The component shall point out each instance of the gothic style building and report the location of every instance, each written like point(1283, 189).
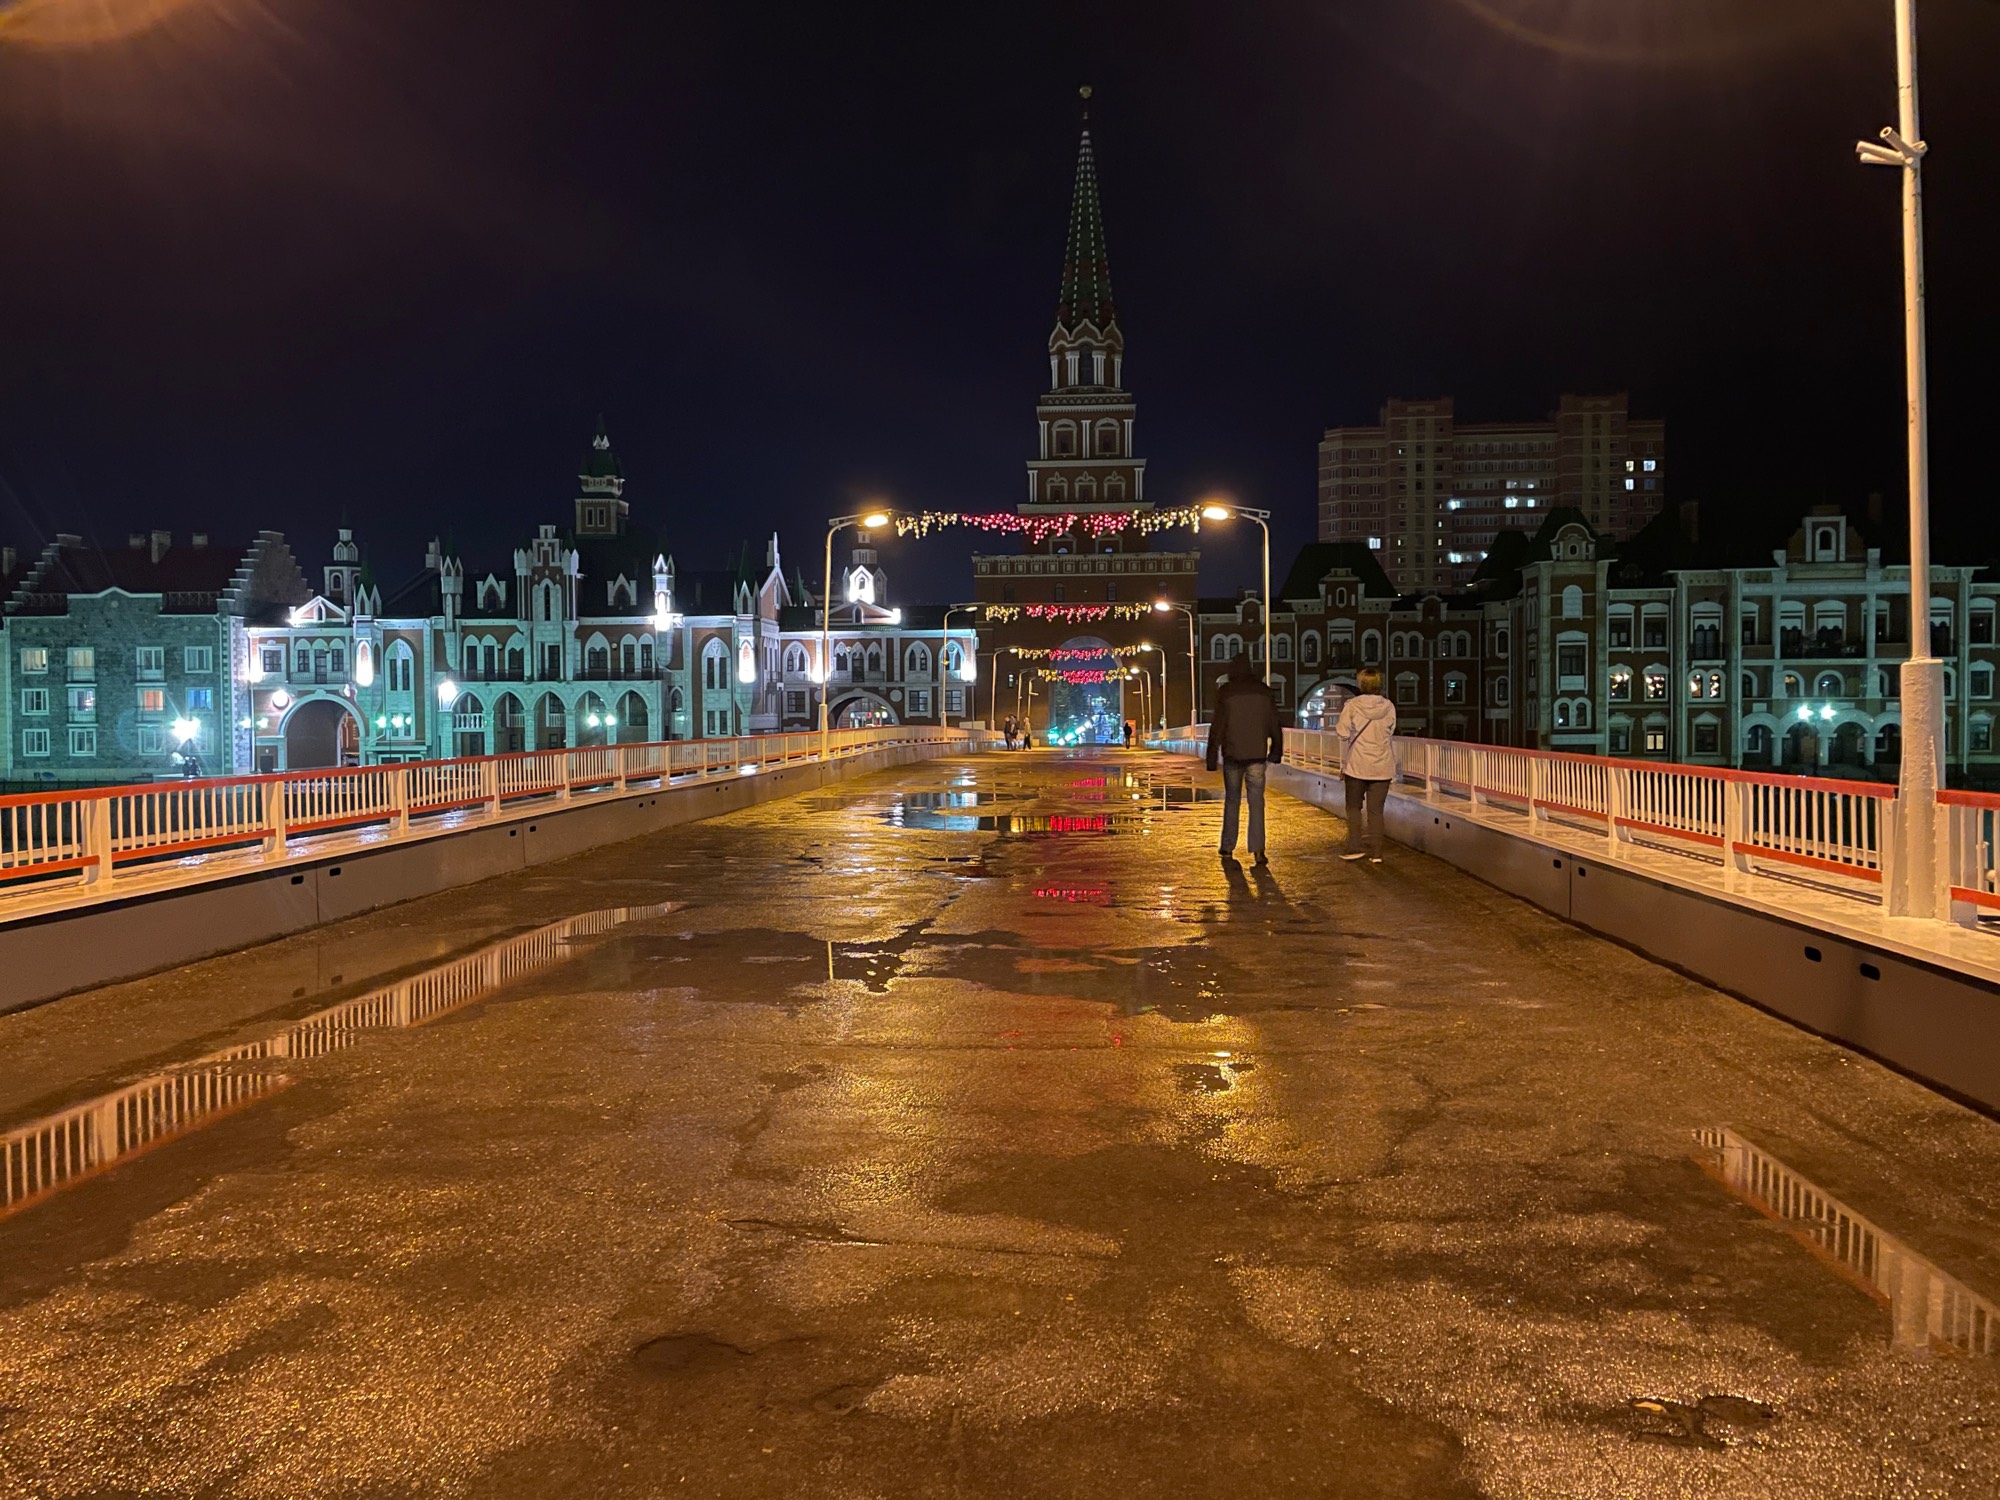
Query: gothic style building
point(1646, 648)
point(1086, 463)
point(120, 663)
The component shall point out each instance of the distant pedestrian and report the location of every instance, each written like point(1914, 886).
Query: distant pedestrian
point(1366, 730)
point(1007, 728)
point(1131, 731)
point(1245, 737)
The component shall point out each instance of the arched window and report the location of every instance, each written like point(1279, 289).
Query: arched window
point(1582, 716)
point(795, 660)
point(1281, 648)
point(917, 661)
point(400, 669)
point(1371, 647)
point(1562, 713)
point(1086, 490)
point(1572, 598)
point(1114, 489)
point(1309, 650)
point(1065, 439)
point(1058, 488)
point(714, 666)
point(1795, 685)
point(1829, 685)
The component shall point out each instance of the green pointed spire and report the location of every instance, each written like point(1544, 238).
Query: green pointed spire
point(600, 462)
point(1086, 278)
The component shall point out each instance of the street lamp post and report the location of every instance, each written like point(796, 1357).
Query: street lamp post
point(1163, 606)
point(1028, 717)
point(993, 692)
point(1145, 693)
point(968, 674)
point(1149, 646)
point(1218, 512)
point(1914, 885)
point(867, 521)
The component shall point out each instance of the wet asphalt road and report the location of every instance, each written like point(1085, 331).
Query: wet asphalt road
point(971, 1131)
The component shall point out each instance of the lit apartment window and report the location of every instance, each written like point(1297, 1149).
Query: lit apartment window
point(34, 658)
point(152, 702)
point(1651, 464)
point(83, 703)
point(82, 662)
point(1656, 739)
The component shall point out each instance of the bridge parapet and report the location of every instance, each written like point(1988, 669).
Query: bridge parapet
point(63, 849)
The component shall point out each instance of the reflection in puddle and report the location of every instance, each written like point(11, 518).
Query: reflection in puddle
point(1927, 1307)
point(906, 815)
point(53, 1153)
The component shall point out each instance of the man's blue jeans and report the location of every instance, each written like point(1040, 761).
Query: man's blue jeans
point(1236, 774)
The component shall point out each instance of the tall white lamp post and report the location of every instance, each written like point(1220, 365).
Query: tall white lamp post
point(872, 520)
point(1215, 511)
point(1915, 886)
point(1163, 606)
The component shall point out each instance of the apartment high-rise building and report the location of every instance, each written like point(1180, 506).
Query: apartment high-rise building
point(1428, 493)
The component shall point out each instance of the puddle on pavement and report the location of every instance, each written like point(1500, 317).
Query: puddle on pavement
point(754, 965)
point(58, 1151)
point(1928, 1308)
point(1710, 1422)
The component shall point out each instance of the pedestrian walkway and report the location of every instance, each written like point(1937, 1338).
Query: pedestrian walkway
point(972, 1130)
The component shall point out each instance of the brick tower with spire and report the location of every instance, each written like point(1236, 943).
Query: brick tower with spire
point(1086, 463)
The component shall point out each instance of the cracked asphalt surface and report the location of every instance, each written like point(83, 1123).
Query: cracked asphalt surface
point(970, 1130)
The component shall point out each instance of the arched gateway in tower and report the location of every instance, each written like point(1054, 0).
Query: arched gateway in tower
point(1094, 575)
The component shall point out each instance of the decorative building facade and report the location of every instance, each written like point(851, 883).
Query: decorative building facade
point(1583, 645)
point(121, 665)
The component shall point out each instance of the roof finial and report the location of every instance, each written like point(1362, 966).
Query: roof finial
point(1084, 94)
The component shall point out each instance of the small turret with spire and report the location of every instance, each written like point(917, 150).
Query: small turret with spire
point(601, 507)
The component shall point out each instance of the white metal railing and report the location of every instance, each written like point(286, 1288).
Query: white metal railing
point(1928, 1308)
point(52, 1153)
point(1836, 832)
point(57, 844)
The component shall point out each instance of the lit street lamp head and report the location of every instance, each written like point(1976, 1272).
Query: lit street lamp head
point(875, 520)
point(1214, 512)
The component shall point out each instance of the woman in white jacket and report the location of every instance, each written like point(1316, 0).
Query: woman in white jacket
point(1366, 730)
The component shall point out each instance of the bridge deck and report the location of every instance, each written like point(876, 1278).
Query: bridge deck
point(968, 1130)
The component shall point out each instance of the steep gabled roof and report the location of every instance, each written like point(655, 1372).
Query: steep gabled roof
point(1317, 559)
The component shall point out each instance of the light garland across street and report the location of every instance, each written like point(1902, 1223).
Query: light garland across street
point(1067, 614)
point(1039, 528)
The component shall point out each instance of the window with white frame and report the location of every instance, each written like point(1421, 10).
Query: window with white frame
point(1982, 681)
point(35, 742)
point(1406, 688)
point(152, 739)
point(200, 698)
point(920, 701)
point(149, 661)
point(35, 701)
point(83, 703)
point(82, 661)
point(1656, 739)
point(82, 740)
point(273, 660)
point(198, 658)
point(152, 702)
point(34, 660)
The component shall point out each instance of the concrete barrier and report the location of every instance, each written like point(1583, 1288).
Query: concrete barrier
point(59, 952)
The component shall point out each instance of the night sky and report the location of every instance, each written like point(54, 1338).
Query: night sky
point(269, 261)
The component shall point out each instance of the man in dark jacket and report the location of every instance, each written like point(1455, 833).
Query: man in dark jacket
point(1244, 738)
